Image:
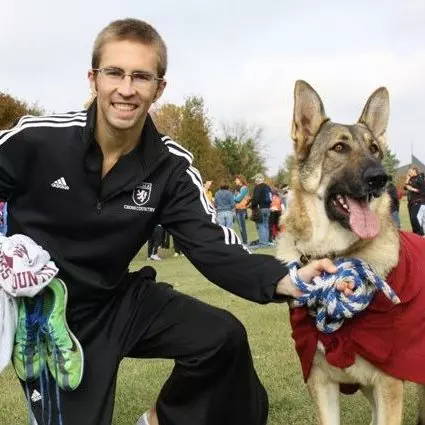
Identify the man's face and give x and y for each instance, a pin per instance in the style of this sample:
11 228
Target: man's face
123 105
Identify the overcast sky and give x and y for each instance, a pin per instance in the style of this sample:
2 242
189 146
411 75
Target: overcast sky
241 56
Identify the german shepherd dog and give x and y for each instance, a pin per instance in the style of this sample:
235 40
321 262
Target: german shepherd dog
339 208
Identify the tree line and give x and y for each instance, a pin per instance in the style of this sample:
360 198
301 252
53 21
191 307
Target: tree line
239 149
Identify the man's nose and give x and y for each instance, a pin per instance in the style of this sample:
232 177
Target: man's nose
126 86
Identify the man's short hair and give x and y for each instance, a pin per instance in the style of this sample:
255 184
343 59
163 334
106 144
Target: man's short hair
133 30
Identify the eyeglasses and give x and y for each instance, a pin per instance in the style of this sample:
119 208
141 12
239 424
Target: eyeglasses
116 75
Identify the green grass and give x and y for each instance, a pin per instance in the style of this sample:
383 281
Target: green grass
139 381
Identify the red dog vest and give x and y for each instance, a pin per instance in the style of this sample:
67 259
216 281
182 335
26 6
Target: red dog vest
391 337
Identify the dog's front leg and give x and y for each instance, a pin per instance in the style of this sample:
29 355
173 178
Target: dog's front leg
325 395
386 397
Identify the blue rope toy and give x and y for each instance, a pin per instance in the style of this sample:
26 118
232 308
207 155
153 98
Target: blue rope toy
331 307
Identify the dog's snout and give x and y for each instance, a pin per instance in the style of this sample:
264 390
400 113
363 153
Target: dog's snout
375 177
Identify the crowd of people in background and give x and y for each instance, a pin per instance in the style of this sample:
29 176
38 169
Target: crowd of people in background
265 207
235 203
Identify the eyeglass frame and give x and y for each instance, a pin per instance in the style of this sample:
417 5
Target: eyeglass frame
130 74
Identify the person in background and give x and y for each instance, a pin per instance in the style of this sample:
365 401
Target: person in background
395 202
415 186
177 249
241 198
284 194
224 204
262 198
208 191
275 213
155 242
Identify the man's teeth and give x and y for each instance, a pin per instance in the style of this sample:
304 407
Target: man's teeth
124 106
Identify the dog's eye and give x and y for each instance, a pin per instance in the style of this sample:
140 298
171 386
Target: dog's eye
373 148
340 148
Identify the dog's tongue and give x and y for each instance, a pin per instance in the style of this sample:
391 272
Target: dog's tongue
363 221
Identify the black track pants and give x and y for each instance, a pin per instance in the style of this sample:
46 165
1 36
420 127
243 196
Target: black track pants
413 215
213 381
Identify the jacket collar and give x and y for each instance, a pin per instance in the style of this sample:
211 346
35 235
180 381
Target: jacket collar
132 167
150 147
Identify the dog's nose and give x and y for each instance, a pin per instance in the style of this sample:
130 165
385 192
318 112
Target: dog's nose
375 177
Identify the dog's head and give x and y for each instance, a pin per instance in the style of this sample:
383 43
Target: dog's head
341 164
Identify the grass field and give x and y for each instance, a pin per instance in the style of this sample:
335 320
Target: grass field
277 364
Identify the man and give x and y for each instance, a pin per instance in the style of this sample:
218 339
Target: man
224 204
262 199
284 195
208 191
415 186
90 187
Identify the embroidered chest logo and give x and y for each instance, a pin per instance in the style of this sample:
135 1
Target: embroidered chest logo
141 196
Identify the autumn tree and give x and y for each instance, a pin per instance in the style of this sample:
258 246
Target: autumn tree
283 176
190 126
168 119
241 150
12 109
390 162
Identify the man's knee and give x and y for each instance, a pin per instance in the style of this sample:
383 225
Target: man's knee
231 336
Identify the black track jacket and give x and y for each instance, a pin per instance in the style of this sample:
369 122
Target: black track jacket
50 174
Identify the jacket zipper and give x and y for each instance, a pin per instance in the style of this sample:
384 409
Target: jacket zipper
145 172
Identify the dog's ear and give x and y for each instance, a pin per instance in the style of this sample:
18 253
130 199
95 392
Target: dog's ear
376 112
309 115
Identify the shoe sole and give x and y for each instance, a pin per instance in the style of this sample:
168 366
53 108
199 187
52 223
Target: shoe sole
77 343
143 420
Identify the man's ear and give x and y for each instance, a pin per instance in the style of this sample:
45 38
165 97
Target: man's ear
376 112
91 75
309 115
159 90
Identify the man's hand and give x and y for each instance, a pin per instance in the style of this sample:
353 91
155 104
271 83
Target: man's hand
286 287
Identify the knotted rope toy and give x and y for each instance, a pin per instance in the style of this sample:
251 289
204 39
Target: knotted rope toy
331 307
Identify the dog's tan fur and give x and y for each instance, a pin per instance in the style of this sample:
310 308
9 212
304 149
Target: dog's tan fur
309 231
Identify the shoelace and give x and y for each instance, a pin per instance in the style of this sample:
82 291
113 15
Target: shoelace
331 307
37 331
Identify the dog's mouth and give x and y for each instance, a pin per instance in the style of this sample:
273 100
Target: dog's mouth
355 214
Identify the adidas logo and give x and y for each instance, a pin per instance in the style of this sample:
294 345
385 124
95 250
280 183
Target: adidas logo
60 184
35 396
